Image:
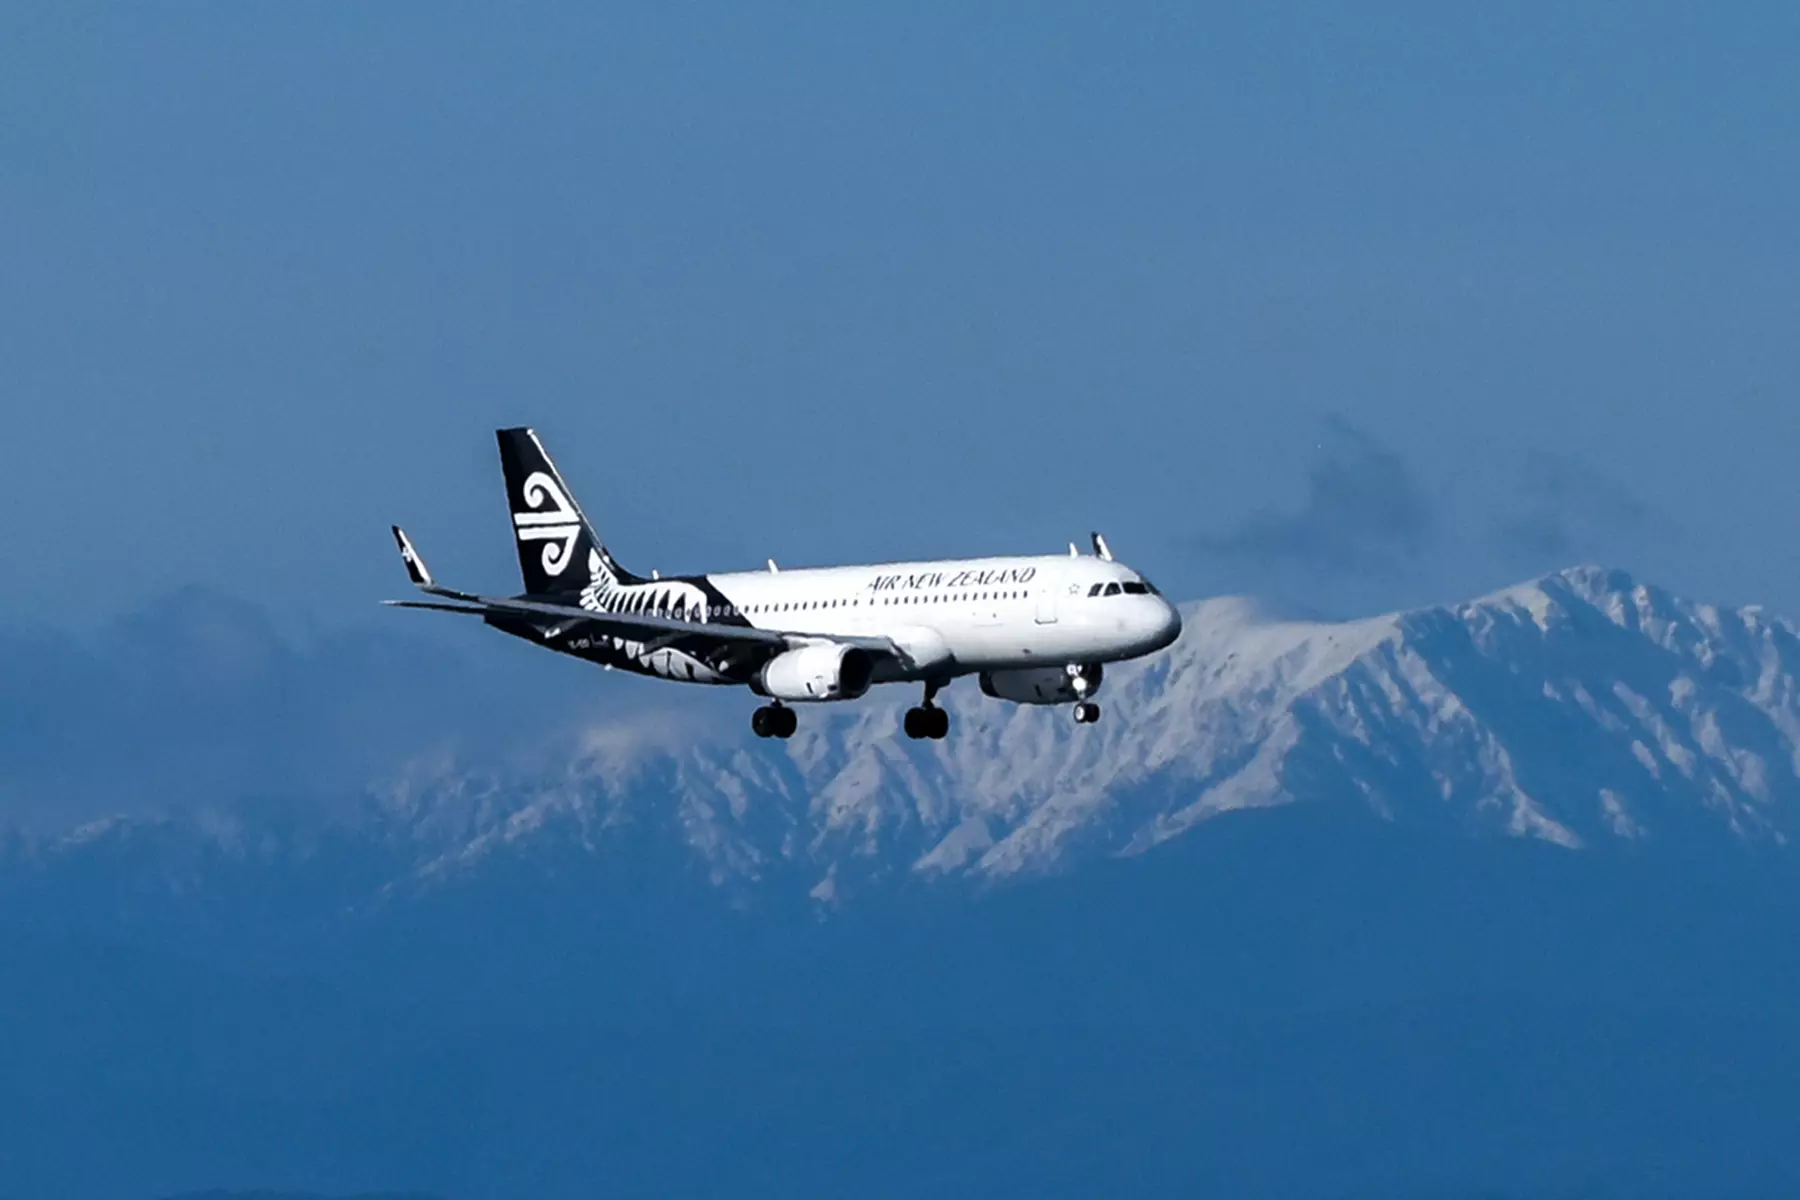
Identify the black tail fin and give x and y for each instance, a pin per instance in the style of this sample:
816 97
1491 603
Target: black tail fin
559 552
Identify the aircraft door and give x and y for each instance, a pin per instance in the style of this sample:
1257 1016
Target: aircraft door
1046 600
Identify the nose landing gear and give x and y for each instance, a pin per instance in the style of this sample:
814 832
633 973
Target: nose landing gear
774 720
1082 683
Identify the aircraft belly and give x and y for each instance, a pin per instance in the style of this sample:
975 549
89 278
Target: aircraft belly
979 645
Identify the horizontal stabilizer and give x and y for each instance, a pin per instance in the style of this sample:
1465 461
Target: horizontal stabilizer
436 607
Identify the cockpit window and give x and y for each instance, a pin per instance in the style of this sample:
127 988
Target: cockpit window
1130 587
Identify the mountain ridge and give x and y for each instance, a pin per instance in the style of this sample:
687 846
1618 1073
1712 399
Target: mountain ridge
1311 930
1583 708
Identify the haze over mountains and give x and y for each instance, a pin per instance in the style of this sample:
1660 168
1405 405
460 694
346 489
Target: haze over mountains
1585 709
1492 898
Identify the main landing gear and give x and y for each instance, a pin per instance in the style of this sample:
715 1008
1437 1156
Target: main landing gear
927 720
774 720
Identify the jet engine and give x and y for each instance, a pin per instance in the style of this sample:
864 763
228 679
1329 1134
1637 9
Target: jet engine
1043 685
823 671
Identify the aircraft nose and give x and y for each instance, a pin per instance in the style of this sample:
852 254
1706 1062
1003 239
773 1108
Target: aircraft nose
1170 628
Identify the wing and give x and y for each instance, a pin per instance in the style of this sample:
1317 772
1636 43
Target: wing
647 628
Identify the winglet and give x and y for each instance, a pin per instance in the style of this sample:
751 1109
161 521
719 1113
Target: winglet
1100 546
416 569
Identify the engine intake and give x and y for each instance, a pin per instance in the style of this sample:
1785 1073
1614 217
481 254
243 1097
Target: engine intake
823 671
1042 685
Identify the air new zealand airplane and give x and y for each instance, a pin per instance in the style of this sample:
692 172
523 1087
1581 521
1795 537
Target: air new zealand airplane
1034 630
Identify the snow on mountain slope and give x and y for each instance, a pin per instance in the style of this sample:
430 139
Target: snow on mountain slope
1583 709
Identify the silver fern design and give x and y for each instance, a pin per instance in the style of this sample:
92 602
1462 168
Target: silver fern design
673 598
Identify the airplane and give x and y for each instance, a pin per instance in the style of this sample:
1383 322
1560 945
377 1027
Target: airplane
1033 630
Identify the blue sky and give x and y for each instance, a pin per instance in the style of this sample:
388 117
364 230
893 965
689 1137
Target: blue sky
1356 308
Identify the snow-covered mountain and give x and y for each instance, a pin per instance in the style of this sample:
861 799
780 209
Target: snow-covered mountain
1583 709
514 968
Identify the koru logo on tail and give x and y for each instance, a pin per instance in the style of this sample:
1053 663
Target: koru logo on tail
549 517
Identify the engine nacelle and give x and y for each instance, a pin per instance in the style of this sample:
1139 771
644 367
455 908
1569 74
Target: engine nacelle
1042 685
823 671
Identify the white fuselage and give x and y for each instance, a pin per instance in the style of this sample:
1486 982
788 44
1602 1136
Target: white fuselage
959 616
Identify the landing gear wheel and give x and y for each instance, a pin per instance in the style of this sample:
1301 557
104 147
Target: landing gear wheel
1087 712
926 722
773 720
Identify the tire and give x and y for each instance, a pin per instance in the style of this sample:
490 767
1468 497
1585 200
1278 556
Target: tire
939 726
786 722
915 724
